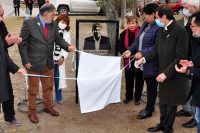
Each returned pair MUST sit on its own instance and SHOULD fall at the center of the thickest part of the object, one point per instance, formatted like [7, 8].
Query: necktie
[45, 30]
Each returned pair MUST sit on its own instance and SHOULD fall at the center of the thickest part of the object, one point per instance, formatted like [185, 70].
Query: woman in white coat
[60, 56]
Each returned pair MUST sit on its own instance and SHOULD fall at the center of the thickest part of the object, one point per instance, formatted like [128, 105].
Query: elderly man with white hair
[190, 7]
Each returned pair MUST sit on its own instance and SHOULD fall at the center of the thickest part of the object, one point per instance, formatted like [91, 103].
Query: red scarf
[126, 44]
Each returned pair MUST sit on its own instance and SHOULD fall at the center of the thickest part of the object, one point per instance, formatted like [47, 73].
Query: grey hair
[195, 3]
[48, 7]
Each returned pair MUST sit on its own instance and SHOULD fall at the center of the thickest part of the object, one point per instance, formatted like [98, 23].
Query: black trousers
[17, 10]
[152, 85]
[8, 109]
[167, 116]
[8, 106]
[131, 75]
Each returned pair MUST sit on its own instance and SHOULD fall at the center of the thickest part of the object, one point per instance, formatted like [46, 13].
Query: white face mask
[196, 34]
[62, 26]
[186, 12]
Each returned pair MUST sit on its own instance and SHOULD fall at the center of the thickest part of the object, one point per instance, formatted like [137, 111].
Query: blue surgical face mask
[186, 12]
[160, 24]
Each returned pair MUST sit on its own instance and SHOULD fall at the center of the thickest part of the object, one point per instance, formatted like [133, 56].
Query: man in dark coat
[192, 67]
[192, 7]
[7, 41]
[97, 41]
[6, 92]
[171, 47]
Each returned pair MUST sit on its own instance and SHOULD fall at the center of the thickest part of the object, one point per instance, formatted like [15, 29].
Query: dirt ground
[115, 118]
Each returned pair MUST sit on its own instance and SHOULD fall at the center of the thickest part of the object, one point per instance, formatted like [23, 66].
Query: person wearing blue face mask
[171, 47]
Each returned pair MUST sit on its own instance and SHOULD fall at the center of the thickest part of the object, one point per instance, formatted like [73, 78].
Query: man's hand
[13, 38]
[138, 55]
[186, 63]
[139, 62]
[71, 48]
[61, 61]
[161, 78]
[126, 54]
[21, 72]
[28, 66]
[181, 70]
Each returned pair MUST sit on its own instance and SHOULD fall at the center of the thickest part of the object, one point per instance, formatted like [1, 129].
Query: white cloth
[62, 73]
[99, 81]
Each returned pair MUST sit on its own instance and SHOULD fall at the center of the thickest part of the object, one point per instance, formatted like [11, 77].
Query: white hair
[195, 3]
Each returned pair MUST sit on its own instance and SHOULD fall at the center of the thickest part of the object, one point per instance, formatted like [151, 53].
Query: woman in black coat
[16, 6]
[127, 37]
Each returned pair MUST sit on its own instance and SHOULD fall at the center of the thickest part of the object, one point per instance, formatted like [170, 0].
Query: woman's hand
[61, 61]
[139, 62]
[126, 54]
[138, 55]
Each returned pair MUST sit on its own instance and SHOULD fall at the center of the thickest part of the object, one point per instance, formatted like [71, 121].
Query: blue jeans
[197, 117]
[58, 91]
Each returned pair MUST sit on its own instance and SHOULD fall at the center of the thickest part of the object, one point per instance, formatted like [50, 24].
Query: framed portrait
[96, 37]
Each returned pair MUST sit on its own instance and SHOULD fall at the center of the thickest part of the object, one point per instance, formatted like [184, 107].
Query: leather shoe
[190, 124]
[183, 113]
[137, 103]
[126, 101]
[156, 128]
[51, 111]
[33, 117]
[144, 114]
[13, 122]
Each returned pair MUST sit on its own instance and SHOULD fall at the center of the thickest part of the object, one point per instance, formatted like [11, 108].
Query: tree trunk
[134, 10]
[111, 14]
[123, 13]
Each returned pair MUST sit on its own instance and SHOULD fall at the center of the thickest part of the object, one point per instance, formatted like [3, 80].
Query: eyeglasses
[193, 26]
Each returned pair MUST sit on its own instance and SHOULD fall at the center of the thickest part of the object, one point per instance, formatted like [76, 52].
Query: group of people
[43, 45]
[166, 58]
[166, 54]
[29, 5]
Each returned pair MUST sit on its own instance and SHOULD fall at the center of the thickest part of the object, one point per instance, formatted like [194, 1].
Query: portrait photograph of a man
[97, 41]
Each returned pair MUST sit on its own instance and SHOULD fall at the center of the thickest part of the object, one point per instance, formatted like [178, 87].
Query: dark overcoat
[171, 47]
[195, 71]
[6, 65]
